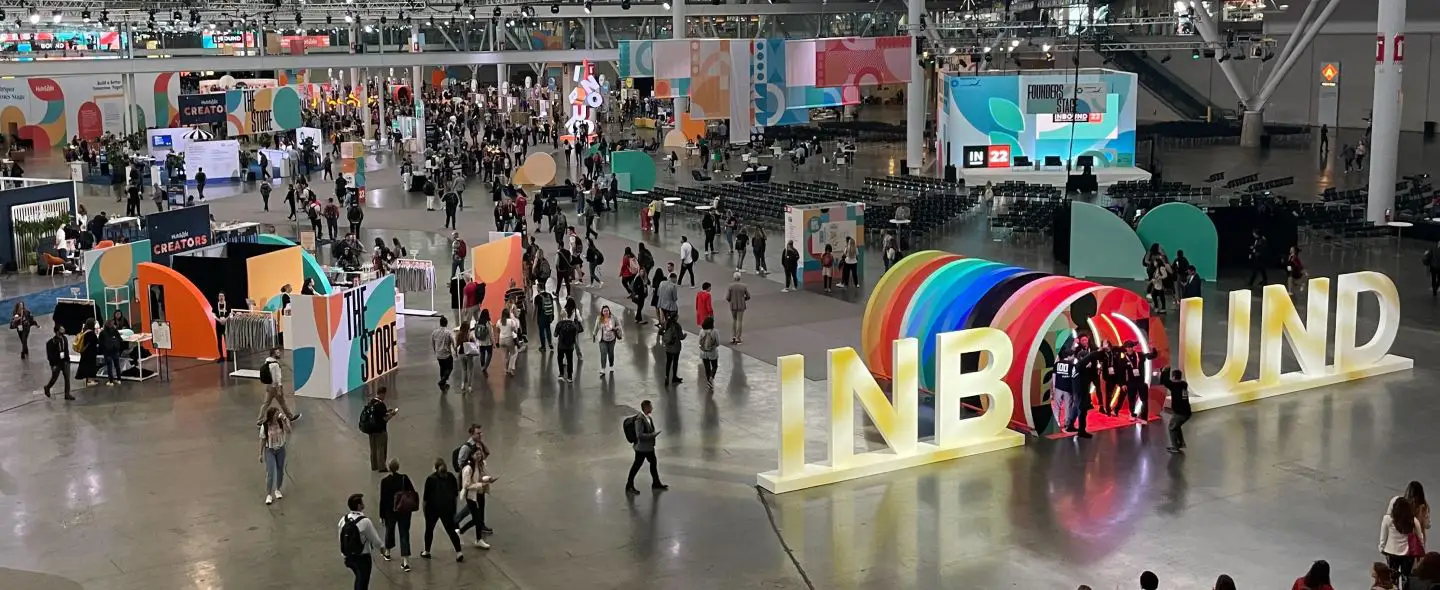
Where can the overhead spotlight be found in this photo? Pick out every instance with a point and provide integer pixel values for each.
(349, 18)
(429, 21)
(624, 4)
(382, 20)
(329, 19)
(57, 17)
(472, 14)
(104, 16)
(554, 9)
(369, 29)
(1194, 54)
(1049, 56)
(987, 50)
(496, 12)
(715, 2)
(588, 6)
(85, 15)
(951, 51)
(1045, 47)
(1166, 58)
(1014, 43)
(1224, 56)
(665, 5)
(176, 16)
(298, 20)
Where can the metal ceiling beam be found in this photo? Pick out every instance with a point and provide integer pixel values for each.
(295, 62)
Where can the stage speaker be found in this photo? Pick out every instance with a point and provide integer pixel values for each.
(951, 175)
(1429, 130)
(1021, 162)
(1085, 161)
(1083, 183)
(904, 167)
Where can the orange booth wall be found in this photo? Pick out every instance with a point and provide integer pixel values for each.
(192, 320)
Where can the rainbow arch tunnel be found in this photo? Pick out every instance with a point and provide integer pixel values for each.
(932, 292)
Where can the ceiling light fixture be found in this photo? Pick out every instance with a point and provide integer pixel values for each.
(588, 5)
(85, 15)
(665, 5)
(554, 9)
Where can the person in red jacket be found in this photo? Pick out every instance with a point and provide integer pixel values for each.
(704, 309)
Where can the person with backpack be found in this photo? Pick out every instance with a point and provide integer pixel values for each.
(274, 434)
(567, 333)
(272, 376)
(673, 337)
(87, 343)
(709, 350)
(355, 215)
(265, 189)
(458, 250)
(359, 541)
(484, 337)
(510, 339)
(441, 489)
(595, 258)
(640, 432)
(639, 292)
(544, 317)
(398, 500)
(111, 345)
(442, 343)
(374, 419)
(332, 219)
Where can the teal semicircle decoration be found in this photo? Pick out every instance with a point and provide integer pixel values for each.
(1182, 226)
(309, 267)
(1103, 245)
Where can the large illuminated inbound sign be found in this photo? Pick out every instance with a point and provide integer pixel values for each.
(898, 422)
(955, 327)
(585, 98)
(1280, 321)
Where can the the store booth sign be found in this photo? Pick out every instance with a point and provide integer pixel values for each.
(897, 417)
(1279, 321)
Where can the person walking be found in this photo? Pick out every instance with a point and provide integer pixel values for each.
(265, 189)
(1401, 537)
(742, 246)
(672, 337)
(458, 251)
(467, 349)
(641, 429)
(474, 485)
(509, 339)
(1431, 260)
(1259, 258)
(732, 223)
(441, 490)
(704, 304)
(567, 333)
(57, 353)
(274, 434)
(398, 500)
(594, 257)
(21, 320)
(687, 260)
(757, 246)
(272, 375)
(1179, 406)
(484, 337)
(710, 224)
(1415, 493)
(639, 291)
(1295, 271)
(356, 216)
(738, 296)
(200, 183)
(442, 343)
(668, 298)
(1359, 156)
(332, 219)
(545, 318)
(374, 421)
(790, 263)
(359, 541)
(709, 351)
(607, 332)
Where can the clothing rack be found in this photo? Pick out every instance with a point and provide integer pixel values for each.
(413, 276)
(248, 330)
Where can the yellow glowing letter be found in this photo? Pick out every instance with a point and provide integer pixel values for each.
(792, 414)
(897, 423)
(1279, 321)
(1237, 343)
(951, 385)
(1349, 357)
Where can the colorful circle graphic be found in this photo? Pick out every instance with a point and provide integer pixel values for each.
(931, 292)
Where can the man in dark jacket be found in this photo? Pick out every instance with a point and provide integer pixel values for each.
(544, 316)
(441, 489)
(673, 337)
(200, 183)
(790, 263)
(567, 332)
(645, 433)
(1179, 406)
(355, 215)
(57, 352)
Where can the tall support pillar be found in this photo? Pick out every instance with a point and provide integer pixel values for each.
(366, 123)
(1385, 114)
(677, 31)
(417, 94)
(915, 94)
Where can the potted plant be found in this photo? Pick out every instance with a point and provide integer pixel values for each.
(30, 233)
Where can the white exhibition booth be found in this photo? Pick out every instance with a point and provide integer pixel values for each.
(166, 140)
(219, 157)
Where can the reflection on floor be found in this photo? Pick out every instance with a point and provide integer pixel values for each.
(157, 485)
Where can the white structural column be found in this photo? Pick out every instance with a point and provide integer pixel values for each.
(915, 94)
(1385, 116)
(677, 31)
(1253, 124)
(417, 95)
(365, 121)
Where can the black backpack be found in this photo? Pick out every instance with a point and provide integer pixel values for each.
(629, 427)
(371, 422)
(265, 373)
(351, 543)
(461, 454)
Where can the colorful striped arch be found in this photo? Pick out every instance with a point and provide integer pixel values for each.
(931, 292)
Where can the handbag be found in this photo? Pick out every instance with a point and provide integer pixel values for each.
(407, 500)
(1414, 545)
(471, 348)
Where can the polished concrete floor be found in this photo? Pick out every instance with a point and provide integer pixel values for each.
(157, 485)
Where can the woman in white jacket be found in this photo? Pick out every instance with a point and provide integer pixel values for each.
(1398, 530)
(474, 484)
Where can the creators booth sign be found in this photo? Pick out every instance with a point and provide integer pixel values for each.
(178, 230)
(198, 109)
(1306, 339)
